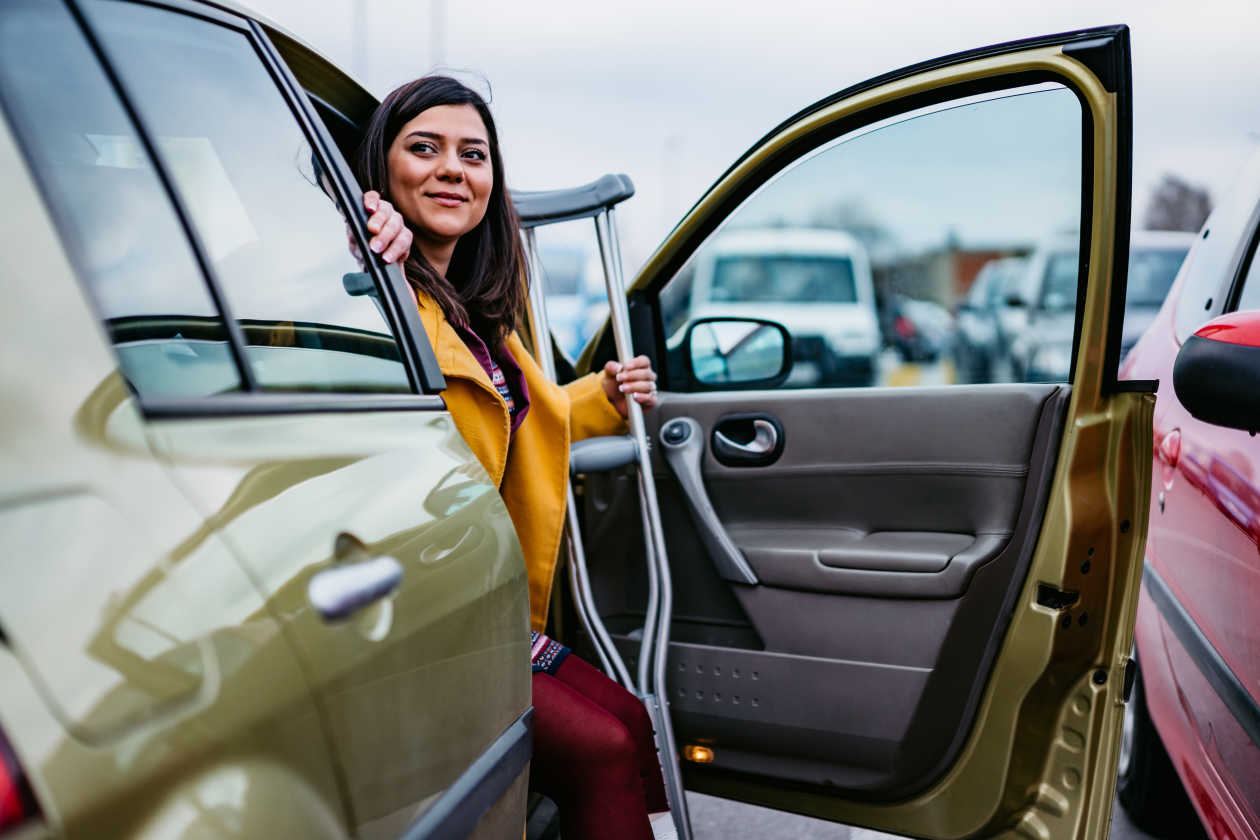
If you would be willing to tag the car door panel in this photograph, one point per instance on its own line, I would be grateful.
(368, 527)
(138, 663)
(946, 578)
(394, 677)
(865, 583)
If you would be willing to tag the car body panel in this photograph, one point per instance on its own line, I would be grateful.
(406, 486)
(1204, 547)
(83, 719)
(192, 684)
(1047, 718)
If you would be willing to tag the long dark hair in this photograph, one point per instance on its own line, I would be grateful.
(484, 286)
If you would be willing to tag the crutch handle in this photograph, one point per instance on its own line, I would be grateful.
(601, 454)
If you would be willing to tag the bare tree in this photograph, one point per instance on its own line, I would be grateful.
(1177, 205)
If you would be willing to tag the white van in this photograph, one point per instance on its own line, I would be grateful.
(817, 283)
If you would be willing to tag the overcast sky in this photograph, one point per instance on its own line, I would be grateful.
(671, 92)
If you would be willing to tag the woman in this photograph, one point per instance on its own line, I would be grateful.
(431, 150)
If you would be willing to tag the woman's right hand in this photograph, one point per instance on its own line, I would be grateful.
(635, 379)
(391, 238)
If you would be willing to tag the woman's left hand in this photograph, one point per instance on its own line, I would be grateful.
(635, 378)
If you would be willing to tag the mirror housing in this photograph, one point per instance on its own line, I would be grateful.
(733, 352)
(1217, 372)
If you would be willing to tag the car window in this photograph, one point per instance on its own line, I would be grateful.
(867, 248)
(110, 208)
(795, 278)
(256, 192)
(1058, 284)
(1211, 263)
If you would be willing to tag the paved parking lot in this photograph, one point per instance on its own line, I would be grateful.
(720, 819)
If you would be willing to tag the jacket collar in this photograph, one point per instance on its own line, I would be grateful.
(453, 356)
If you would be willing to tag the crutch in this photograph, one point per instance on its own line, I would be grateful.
(596, 201)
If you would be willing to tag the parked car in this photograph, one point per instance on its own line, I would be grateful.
(253, 573)
(255, 584)
(1196, 717)
(980, 333)
(817, 283)
(919, 330)
(1041, 352)
(1155, 257)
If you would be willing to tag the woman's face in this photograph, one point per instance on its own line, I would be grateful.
(440, 174)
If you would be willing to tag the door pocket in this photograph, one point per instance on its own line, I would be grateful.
(893, 563)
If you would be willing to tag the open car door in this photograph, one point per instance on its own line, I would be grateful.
(925, 624)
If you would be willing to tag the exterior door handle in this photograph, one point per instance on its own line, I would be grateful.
(339, 592)
(1170, 448)
(765, 439)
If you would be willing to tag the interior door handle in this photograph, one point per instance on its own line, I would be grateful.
(339, 592)
(765, 439)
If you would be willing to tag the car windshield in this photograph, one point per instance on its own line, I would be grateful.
(1058, 288)
(1151, 273)
(756, 278)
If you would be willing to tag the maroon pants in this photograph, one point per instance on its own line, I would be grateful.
(594, 754)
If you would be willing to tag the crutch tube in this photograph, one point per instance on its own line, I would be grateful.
(654, 651)
(584, 600)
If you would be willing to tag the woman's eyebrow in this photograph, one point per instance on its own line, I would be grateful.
(433, 135)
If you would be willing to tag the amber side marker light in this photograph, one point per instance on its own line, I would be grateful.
(697, 753)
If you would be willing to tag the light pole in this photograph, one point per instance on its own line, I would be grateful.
(437, 32)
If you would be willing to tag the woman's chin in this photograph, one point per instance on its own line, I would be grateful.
(447, 225)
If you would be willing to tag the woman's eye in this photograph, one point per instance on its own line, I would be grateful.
(475, 154)
(422, 148)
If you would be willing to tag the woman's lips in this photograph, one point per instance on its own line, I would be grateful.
(447, 199)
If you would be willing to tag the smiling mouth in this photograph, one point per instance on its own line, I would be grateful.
(447, 199)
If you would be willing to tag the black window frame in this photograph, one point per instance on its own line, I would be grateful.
(1244, 265)
(418, 358)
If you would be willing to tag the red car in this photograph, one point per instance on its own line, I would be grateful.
(1196, 709)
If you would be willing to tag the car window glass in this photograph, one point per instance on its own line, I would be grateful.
(110, 208)
(258, 196)
(1211, 264)
(867, 249)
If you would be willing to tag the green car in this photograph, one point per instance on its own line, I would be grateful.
(256, 585)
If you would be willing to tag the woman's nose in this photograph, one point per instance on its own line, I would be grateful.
(450, 168)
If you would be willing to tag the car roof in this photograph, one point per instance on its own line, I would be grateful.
(786, 241)
(1161, 239)
(1138, 239)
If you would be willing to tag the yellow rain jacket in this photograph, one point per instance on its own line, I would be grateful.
(532, 467)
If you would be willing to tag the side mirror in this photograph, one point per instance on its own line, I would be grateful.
(1217, 372)
(737, 352)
